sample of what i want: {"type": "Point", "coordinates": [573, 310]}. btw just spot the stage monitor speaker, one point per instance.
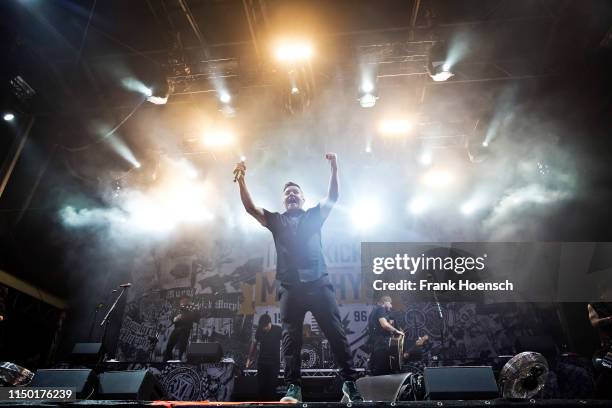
{"type": "Point", "coordinates": [83, 380]}
{"type": "Point", "coordinates": [381, 387]}
{"type": "Point", "coordinates": [204, 353]}
{"type": "Point", "coordinates": [87, 353]}
{"type": "Point", "coordinates": [464, 383]}
{"type": "Point", "coordinates": [130, 385]}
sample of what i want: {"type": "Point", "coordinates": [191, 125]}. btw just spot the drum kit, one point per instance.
{"type": "Point", "coordinates": [316, 354]}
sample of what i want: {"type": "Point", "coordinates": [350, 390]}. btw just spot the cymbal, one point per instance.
{"type": "Point", "coordinates": [524, 375]}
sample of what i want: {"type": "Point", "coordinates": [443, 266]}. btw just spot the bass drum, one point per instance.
{"type": "Point", "coordinates": [310, 357]}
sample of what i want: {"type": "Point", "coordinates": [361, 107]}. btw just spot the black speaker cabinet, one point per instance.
{"type": "Point", "coordinates": [130, 385]}
{"type": "Point", "coordinates": [465, 383]}
{"type": "Point", "coordinates": [381, 387]}
{"type": "Point", "coordinates": [84, 381]}
{"type": "Point", "coordinates": [204, 353]}
{"type": "Point", "coordinates": [87, 353]}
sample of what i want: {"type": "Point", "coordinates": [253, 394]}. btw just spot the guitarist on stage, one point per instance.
{"type": "Point", "coordinates": [380, 329]}
{"type": "Point", "coordinates": [182, 328]}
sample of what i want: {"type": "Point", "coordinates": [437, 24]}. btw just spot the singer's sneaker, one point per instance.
{"type": "Point", "coordinates": [294, 394]}
{"type": "Point", "coordinates": [350, 391]}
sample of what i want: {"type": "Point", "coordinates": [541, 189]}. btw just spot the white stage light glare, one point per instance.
{"type": "Point", "coordinates": [225, 97]}
{"type": "Point", "coordinates": [8, 116]}
{"type": "Point", "coordinates": [366, 215]}
{"type": "Point", "coordinates": [485, 144]}
{"type": "Point", "coordinates": [295, 90]}
{"type": "Point", "coordinates": [395, 126]}
{"type": "Point", "coordinates": [368, 149]}
{"type": "Point", "coordinates": [446, 67]}
{"type": "Point", "coordinates": [437, 178]}
{"type": "Point", "coordinates": [426, 159]}
{"type": "Point", "coordinates": [441, 76]}
{"type": "Point", "coordinates": [218, 138]}
{"type": "Point", "coordinates": [469, 207]}
{"type": "Point", "coordinates": [367, 87]}
{"type": "Point", "coordinates": [157, 100]}
{"type": "Point", "coordinates": [417, 205]}
{"type": "Point", "coordinates": [242, 158]}
{"type": "Point", "coordinates": [137, 165]}
{"type": "Point", "coordinates": [367, 100]}
{"type": "Point", "coordinates": [294, 51]}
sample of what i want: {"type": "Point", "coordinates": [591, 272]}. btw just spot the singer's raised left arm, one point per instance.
{"type": "Point", "coordinates": [332, 193]}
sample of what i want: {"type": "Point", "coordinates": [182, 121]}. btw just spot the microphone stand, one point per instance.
{"type": "Point", "coordinates": [93, 322]}
{"type": "Point", "coordinates": [106, 319]}
{"type": "Point", "coordinates": [439, 307]}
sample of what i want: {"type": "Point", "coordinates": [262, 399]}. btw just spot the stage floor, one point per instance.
{"type": "Point", "coordinates": [430, 404]}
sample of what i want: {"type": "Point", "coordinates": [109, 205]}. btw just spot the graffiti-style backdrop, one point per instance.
{"type": "Point", "coordinates": [232, 284]}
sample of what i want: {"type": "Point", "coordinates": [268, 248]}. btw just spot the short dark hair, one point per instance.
{"type": "Point", "coordinates": [291, 183]}
{"type": "Point", "coordinates": [264, 320]}
{"type": "Point", "coordinates": [384, 299]}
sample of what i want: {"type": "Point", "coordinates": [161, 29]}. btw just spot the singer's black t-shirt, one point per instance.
{"type": "Point", "coordinates": [188, 318]}
{"type": "Point", "coordinates": [297, 238]}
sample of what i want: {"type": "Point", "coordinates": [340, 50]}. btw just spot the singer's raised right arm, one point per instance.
{"type": "Point", "coordinates": [247, 202]}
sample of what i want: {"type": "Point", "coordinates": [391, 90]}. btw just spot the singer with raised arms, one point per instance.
{"type": "Point", "coordinates": [303, 281]}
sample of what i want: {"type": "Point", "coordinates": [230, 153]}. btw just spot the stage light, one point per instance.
{"type": "Point", "coordinates": [368, 149]}
{"type": "Point", "coordinates": [426, 159]}
{"type": "Point", "coordinates": [367, 94]}
{"type": "Point", "coordinates": [294, 51]}
{"type": "Point", "coordinates": [159, 93]}
{"type": "Point", "coordinates": [395, 126]}
{"type": "Point", "coordinates": [218, 138]}
{"type": "Point", "coordinates": [485, 144]}
{"type": "Point", "coordinates": [417, 205]}
{"type": "Point", "coordinates": [366, 215]}
{"type": "Point", "coordinates": [156, 100]}
{"type": "Point", "coordinates": [367, 100]}
{"type": "Point", "coordinates": [469, 207]}
{"type": "Point", "coordinates": [242, 158]}
{"type": "Point", "coordinates": [441, 76]}
{"type": "Point", "coordinates": [437, 178]}
{"type": "Point", "coordinates": [438, 65]}
{"type": "Point", "coordinates": [137, 165]}
{"type": "Point", "coordinates": [367, 87]}
{"type": "Point", "coordinates": [8, 116]}
{"type": "Point", "coordinates": [295, 90]}
{"type": "Point", "coordinates": [225, 97]}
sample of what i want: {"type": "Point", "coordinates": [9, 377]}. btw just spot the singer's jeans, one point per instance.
{"type": "Point", "coordinates": [320, 299]}
{"type": "Point", "coordinates": [179, 337]}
